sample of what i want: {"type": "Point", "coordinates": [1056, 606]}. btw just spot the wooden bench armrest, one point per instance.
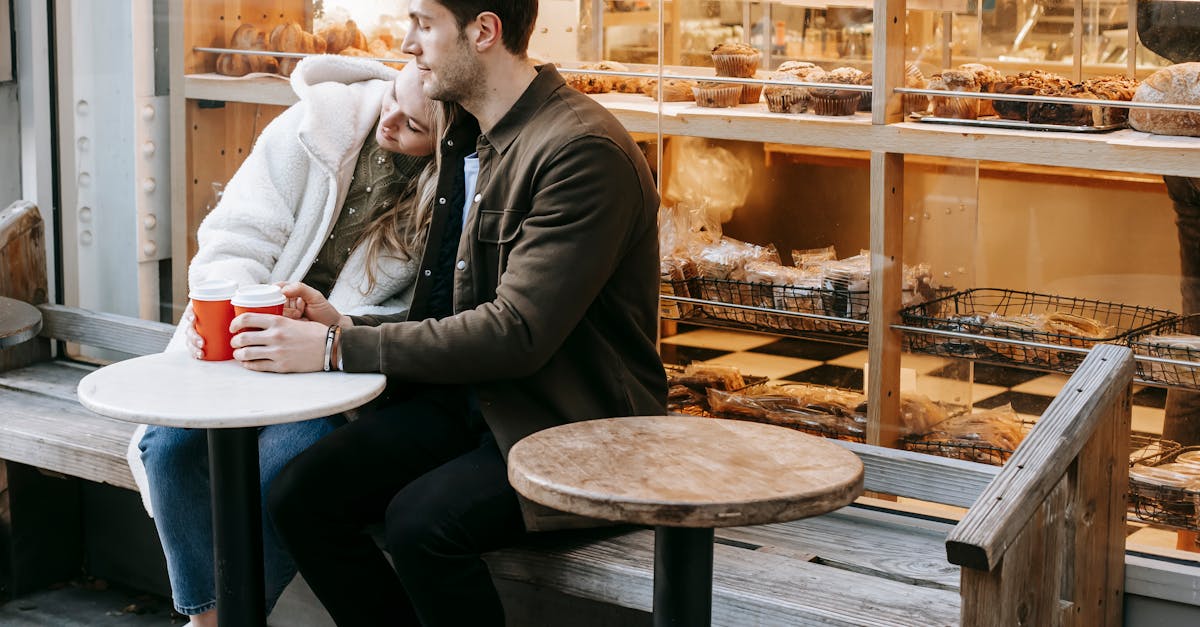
{"type": "Point", "coordinates": [1035, 469]}
{"type": "Point", "coordinates": [105, 330]}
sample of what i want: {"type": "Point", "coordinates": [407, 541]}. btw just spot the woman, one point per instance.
{"type": "Point", "coordinates": [336, 192]}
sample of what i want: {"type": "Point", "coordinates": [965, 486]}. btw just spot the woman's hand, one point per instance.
{"type": "Point", "coordinates": [191, 339]}
{"type": "Point", "coordinates": [270, 343]}
{"type": "Point", "coordinates": [306, 303]}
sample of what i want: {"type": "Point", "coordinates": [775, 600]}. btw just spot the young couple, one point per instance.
{"type": "Point", "coordinates": [508, 286]}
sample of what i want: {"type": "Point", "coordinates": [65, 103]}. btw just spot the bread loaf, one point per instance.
{"type": "Point", "coordinates": [246, 37]}
{"type": "Point", "coordinates": [1177, 84]}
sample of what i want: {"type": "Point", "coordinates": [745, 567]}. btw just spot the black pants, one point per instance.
{"type": "Point", "coordinates": [1182, 421]}
{"type": "Point", "coordinates": [428, 468]}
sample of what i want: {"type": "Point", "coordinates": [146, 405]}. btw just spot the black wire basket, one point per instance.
{"type": "Point", "coordinates": [1165, 505]}
{"type": "Point", "coordinates": [959, 448]}
{"type": "Point", "coordinates": [1171, 374]}
{"type": "Point", "coordinates": [967, 312]}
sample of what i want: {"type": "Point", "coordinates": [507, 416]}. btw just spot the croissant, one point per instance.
{"type": "Point", "coordinates": [291, 37]}
{"type": "Point", "coordinates": [339, 37]}
{"type": "Point", "coordinates": [246, 37]}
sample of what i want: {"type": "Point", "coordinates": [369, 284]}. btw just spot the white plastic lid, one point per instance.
{"type": "Point", "coordinates": [213, 289]}
{"type": "Point", "coordinates": [258, 296]}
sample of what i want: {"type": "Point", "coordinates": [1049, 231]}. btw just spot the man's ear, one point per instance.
{"type": "Point", "coordinates": [487, 31]}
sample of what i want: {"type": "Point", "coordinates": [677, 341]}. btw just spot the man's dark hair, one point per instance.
{"type": "Point", "coordinates": [516, 18]}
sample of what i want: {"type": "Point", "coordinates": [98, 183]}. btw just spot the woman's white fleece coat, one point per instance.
{"type": "Point", "coordinates": [281, 205]}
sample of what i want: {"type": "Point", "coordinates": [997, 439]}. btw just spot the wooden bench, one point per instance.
{"type": "Point", "coordinates": [1051, 520]}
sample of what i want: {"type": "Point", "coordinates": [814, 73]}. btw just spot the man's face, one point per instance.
{"type": "Point", "coordinates": [450, 68]}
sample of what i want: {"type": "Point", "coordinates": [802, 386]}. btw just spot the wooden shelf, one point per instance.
{"type": "Point", "coordinates": [1117, 151]}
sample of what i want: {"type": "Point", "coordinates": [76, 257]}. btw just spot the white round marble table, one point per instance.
{"type": "Point", "coordinates": [684, 475]}
{"type": "Point", "coordinates": [173, 389]}
{"type": "Point", "coordinates": [19, 321]}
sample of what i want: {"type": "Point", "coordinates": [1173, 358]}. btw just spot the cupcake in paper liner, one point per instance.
{"type": "Point", "coordinates": [913, 77]}
{"type": "Point", "coordinates": [786, 98]}
{"type": "Point", "coordinates": [864, 97]}
{"type": "Point", "coordinates": [736, 60]}
{"type": "Point", "coordinates": [715, 95]}
{"type": "Point", "coordinates": [751, 93]}
{"type": "Point", "coordinates": [828, 101]}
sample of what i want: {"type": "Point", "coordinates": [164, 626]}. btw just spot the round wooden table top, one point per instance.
{"type": "Point", "coordinates": [684, 471]}
{"type": "Point", "coordinates": [19, 321]}
{"type": "Point", "coordinates": [175, 390]}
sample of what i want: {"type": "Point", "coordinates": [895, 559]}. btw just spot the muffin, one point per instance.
{"type": "Point", "coordinates": [914, 103]}
{"type": "Point", "coordinates": [796, 67]}
{"type": "Point", "coordinates": [864, 97]}
{"type": "Point", "coordinates": [673, 90]}
{"type": "Point", "coordinates": [751, 93]}
{"type": "Point", "coordinates": [713, 94]}
{"type": "Point", "coordinates": [827, 101]}
{"type": "Point", "coordinates": [737, 60]}
{"type": "Point", "coordinates": [785, 98]}
{"type": "Point", "coordinates": [985, 76]}
{"type": "Point", "coordinates": [960, 108]}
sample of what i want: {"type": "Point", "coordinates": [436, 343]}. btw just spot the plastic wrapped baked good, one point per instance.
{"type": "Point", "coordinates": [820, 409]}
{"type": "Point", "coordinates": [1163, 476]}
{"type": "Point", "coordinates": [988, 436]}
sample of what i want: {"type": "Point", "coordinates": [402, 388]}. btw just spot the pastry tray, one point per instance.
{"type": "Point", "coordinates": [998, 122]}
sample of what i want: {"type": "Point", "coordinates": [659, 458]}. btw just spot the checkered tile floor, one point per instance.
{"type": "Point", "coordinates": [948, 380]}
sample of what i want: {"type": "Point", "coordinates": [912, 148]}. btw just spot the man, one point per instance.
{"type": "Point", "coordinates": [1172, 29]}
{"type": "Point", "coordinates": [543, 311]}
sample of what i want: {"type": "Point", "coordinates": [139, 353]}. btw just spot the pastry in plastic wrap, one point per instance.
{"type": "Point", "coordinates": [246, 37]}
{"type": "Point", "coordinates": [988, 436]}
{"type": "Point", "coordinates": [813, 408]}
{"type": "Point", "coordinates": [1177, 84]}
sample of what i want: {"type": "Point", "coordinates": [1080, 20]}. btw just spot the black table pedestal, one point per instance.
{"type": "Point", "coordinates": [237, 527]}
{"type": "Point", "coordinates": [683, 566]}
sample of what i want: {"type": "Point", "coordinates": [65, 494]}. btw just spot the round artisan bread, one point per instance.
{"type": "Point", "coordinates": [1177, 84]}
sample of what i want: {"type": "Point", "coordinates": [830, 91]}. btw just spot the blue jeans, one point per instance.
{"type": "Point", "coordinates": [177, 466]}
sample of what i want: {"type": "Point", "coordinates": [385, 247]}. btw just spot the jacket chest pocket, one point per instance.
{"type": "Point", "coordinates": [496, 232]}
{"type": "Point", "coordinates": [499, 227]}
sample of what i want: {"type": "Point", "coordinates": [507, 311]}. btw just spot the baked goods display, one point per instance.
{"type": "Point", "coordinates": [988, 437]}
{"type": "Point", "coordinates": [1177, 84]}
{"type": "Point", "coordinates": [1178, 339]}
{"type": "Point", "coordinates": [343, 38]}
{"type": "Point", "coordinates": [1013, 326]}
{"type": "Point", "coordinates": [1167, 492]}
{"type": "Point", "coordinates": [818, 409]}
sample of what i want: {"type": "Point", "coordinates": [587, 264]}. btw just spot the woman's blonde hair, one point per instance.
{"type": "Point", "coordinates": [400, 231]}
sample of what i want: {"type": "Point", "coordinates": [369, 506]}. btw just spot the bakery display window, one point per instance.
{"type": "Point", "coordinates": [1008, 154]}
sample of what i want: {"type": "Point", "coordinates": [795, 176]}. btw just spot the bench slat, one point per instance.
{"type": "Point", "coordinates": [749, 587]}
{"type": "Point", "coordinates": [921, 476]}
{"type": "Point", "coordinates": [105, 330]}
{"type": "Point", "coordinates": [62, 436]}
{"type": "Point", "coordinates": [57, 379]}
{"type": "Point", "coordinates": [875, 543]}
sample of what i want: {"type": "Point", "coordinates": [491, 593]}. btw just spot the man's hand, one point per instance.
{"type": "Point", "coordinates": [306, 303]}
{"type": "Point", "coordinates": [277, 344]}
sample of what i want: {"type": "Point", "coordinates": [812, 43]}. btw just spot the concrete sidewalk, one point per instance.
{"type": "Point", "coordinates": [89, 603]}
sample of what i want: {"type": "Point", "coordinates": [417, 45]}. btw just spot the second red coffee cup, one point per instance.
{"type": "Point", "coordinates": [267, 299]}
{"type": "Point", "coordinates": [213, 312]}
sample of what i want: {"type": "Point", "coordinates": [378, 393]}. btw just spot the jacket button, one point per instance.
{"type": "Point", "coordinates": [462, 264]}
{"type": "Point", "coordinates": [450, 142]}
{"type": "Point", "coordinates": [478, 197]}
{"type": "Point", "coordinates": [441, 201]}
{"type": "Point", "coordinates": [428, 272]}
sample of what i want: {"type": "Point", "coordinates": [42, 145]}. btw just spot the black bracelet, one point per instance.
{"type": "Point", "coordinates": [329, 335]}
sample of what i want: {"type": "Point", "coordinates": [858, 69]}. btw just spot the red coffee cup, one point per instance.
{"type": "Point", "coordinates": [213, 311]}
{"type": "Point", "coordinates": [267, 299]}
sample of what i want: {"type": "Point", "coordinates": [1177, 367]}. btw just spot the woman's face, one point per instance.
{"type": "Point", "coordinates": [404, 122]}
